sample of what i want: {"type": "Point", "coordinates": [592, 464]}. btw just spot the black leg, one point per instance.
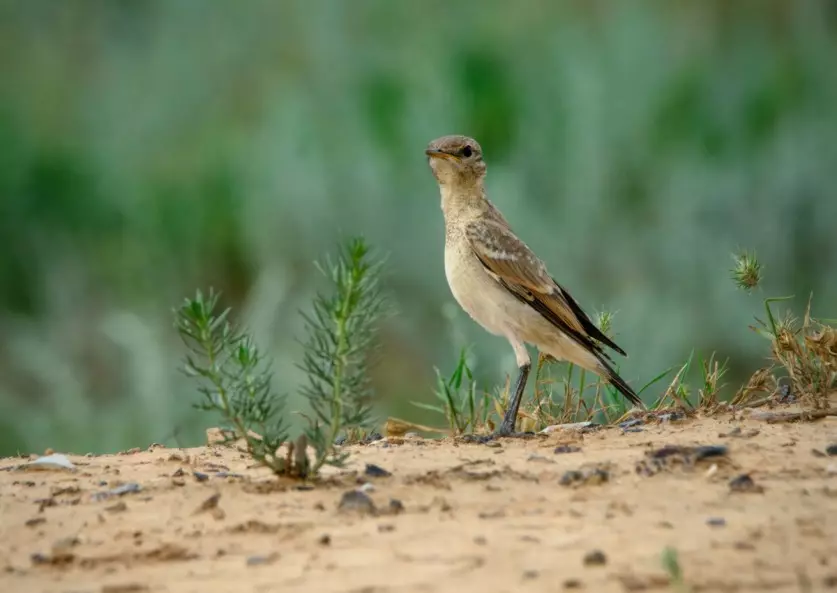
{"type": "Point", "coordinates": [507, 427]}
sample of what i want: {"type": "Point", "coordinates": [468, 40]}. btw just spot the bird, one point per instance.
{"type": "Point", "coordinates": [500, 282]}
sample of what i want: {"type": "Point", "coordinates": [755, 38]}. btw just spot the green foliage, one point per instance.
{"type": "Point", "coordinates": [232, 379]}
{"type": "Point", "coordinates": [671, 564]}
{"type": "Point", "coordinates": [465, 411]}
{"type": "Point", "coordinates": [340, 337]}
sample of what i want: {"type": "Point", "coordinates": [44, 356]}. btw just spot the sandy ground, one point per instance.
{"type": "Point", "coordinates": [472, 517]}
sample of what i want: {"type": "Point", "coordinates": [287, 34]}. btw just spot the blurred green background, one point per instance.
{"type": "Point", "coordinates": [149, 148]}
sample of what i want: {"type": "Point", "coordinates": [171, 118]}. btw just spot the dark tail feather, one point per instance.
{"type": "Point", "coordinates": [619, 383]}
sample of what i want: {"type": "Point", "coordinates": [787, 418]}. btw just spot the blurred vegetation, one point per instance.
{"type": "Point", "coordinates": [148, 148]}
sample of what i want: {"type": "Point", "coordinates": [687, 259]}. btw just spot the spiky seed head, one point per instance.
{"type": "Point", "coordinates": [604, 321]}
{"type": "Point", "coordinates": [746, 272]}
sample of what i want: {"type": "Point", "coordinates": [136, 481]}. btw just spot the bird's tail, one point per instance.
{"type": "Point", "coordinates": [619, 383]}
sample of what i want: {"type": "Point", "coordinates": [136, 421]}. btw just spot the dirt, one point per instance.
{"type": "Point", "coordinates": [748, 506]}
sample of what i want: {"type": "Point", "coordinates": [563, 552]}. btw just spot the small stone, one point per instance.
{"type": "Point", "coordinates": [572, 584]}
{"type": "Point", "coordinates": [494, 444]}
{"type": "Point", "coordinates": [386, 528]}
{"type": "Point", "coordinates": [498, 514]}
{"type": "Point", "coordinates": [716, 522]}
{"type": "Point", "coordinates": [831, 449]}
{"type": "Point", "coordinates": [744, 483]}
{"type": "Point", "coordinates": [200, 477]}
{"type": "Point", "coordinates": [529, 575]}
{"type": "Point", "coordinates": [119, 507]}
{"type": "Point", "coordinates": [375, 471]}
{"type": "Point", "coordinates": [56, 461]}
{"type": "Point", "coordinates": [356, 501]}
{"type": "Point", "coordinates": [324, 540]}
{"type": "Point", "coordinates": [566, 449]}
{"type": "Point", "coordinates": [209, 504]}
{"type": "Point", "coordinates": [367, 487]}
{"type": "Point", "coordinates": [178, 473]}
{"type": "Point", "coordinates": [261, 560]}
{"type": "Point", "coordinates": [395, 506]}
{"type": "Point", "coordinates": [128, 488]}
{"type": "Point", "coordinates": [595, 558]}
{"type": "Point", "coordinates": [34, 522]}
{"type": "Point", "coordinates": [706, 451]}
{"type": "Point", "coordinates": [539, 458]}
{"type": "Point", "coordinates": [630, 423]}
{"type": "Point", "coordinates": [572, 426]}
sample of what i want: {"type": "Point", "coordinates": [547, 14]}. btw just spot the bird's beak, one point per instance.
{"type": "Point", "coordinates": [436, 153]}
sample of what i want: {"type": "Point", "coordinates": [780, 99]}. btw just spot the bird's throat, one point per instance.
{"type": "Point", "coordinates": [461, 199]}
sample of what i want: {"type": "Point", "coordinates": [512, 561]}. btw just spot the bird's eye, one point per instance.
{"type": "Point", "coordinates": [467, 152]}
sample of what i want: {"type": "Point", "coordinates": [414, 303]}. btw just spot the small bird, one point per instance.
{"type": "Point", "coordinates": [502, 284]}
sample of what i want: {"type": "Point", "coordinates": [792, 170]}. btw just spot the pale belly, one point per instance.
{"type": "Point", "coordinates": [488, 303]}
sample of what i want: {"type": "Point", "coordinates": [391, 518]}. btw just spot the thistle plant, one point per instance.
{"type": "Point", "coordinates": [805, 350]}
{"type": "Point", "coordinates": [340, 339]}
{"type": "Point", "coordinates": [746, 270]}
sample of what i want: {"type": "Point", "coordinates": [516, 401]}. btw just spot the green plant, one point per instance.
{"type": "Point", "coordinates": [233, 380]}
{"type": "Point", "coordinates": [463, 409]}
{"type": "Point", "coordinates": [804, 352]}
{"type": "Point", "coordinates": [340, 338]}
{"type": "Point", "coordinates": [671, 564]}
{"type": "Point", "coordinates": [341, 334]}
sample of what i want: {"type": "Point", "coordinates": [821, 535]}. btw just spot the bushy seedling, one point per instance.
{"type": "Point", "coordinates": [233, 380]}
{"type": "Point", "coordinates": [340, 337]}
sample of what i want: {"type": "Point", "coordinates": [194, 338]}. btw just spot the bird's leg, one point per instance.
{"type": "Point", "coordinates": [506, 429]}
{"type": "Point", "coordinates": [510, 419]}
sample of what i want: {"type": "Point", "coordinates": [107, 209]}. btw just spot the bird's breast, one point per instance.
{"type": "Point", "coordinates": [480, 295]}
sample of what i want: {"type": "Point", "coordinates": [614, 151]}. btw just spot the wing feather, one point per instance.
{"type": "Point", "coordinates": [520, 271]}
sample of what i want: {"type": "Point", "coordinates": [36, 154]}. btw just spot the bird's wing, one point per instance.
{"type": "Point", "coordinates": [519, 270]}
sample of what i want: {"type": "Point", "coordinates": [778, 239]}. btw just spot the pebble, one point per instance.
{"type": "Point", "coordinates": [356, 501]}
{"type": "Point", "coordinates": [261, 560]}
{"type": "Point", "coordinates": [375, 471]}
{"type": "Point", "coordinates": [716, 521]}
{"type": "Point", "coordinates": [567, 449]}
{"type": "Point", "coordinates": [744, 483]}
{"type": "Point", "coordinates": [595, 558]}
{"type": "Point", "coordinates": [831, 449]}
{"type": "Point", "coordinates": [129, 488]}
{"type": "Point", "coordinates": [56, 461]}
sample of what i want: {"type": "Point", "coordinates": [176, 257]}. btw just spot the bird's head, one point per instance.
{"type": "Point", "coordinates": [456, 160]}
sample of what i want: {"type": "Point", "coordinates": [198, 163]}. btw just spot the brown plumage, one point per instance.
{"type": "Point", "coordinates": [501, 283]}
